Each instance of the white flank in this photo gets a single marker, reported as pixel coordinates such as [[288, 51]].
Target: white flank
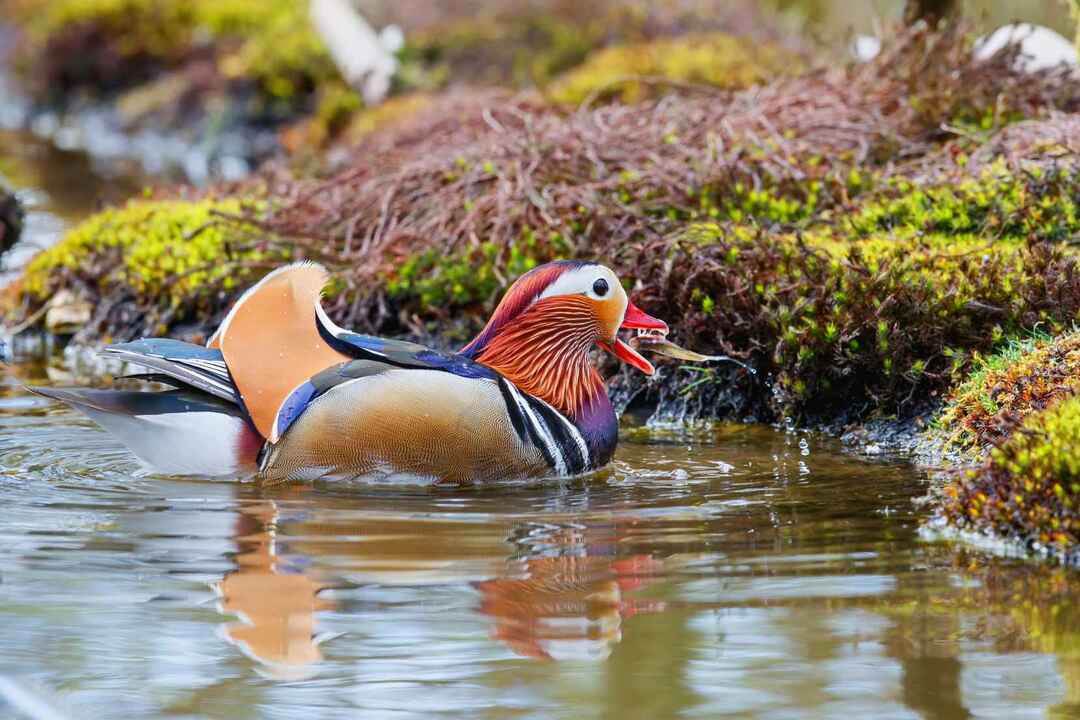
[[190, 443]]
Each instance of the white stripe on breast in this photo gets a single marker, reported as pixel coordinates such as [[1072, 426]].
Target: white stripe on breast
[[542, 430], [579, 439]]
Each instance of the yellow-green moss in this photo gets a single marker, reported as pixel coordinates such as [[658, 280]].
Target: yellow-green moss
[[842, 319], [270, 42], [519, 47], [715, 59], [1036, 203], [163, 253], [389, 113], [462, 279], [1075, 7], [1030, 487], [1007, 387]]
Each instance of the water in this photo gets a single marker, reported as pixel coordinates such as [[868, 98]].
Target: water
[[57, 187], [734, 572]]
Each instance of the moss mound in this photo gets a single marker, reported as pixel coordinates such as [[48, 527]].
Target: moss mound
[[529, 43], [111, 44], [630, 73], [1005, 388], [152, 265], [1029, 489], [847, 325]]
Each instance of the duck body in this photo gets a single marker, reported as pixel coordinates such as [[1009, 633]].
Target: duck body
[[283, 393]]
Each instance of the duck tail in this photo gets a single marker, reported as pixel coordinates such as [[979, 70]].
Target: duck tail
[[177, 432]]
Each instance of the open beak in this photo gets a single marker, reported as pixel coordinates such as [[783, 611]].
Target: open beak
[[635, 319]]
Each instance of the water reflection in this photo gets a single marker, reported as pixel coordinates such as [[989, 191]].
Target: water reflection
[[276, 604], [737, 572], [57, 187]]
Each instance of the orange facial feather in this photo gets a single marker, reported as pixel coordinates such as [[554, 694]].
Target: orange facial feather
[[545, 352]]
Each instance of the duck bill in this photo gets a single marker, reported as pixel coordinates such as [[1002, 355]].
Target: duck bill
[[635, 319]]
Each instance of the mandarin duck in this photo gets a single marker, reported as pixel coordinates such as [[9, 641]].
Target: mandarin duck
[[282, 392]]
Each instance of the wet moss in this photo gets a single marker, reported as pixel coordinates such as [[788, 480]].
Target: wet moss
[[1029, 489], [846, 325], [170, 261], [631, 73], [1005, 388]]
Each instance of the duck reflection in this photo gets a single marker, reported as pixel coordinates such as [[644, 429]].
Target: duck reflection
[[570, 606], [552, 594], [275, 603]]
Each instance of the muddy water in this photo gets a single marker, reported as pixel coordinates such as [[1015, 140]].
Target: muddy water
[[739, 571]]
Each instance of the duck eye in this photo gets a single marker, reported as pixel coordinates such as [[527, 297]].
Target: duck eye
[[600, 287]]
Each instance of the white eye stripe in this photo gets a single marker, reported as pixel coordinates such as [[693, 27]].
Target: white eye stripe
[[580, 281]]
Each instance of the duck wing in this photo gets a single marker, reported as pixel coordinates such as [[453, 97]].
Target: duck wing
[[271, 343], [191, 365]]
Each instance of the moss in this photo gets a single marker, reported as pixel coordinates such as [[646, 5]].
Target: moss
[[520, 47], [336, 108], [477, 275], [1029, 489], [998, 202], [1007, 387], [1075, 7], [173, 259], [283, 55], [716, 59], [843, 322], [103, 43], [392, 112]]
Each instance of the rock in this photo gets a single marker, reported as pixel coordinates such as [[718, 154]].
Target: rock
[[1040, 47], [67, 313], [365, 58], [11, 220], [865, 48]]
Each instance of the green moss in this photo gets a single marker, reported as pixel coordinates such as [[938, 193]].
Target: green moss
[[435, 280], [173, 256], [519, 47], [1075, 7], [1029, 489], [716, 59], [843, 320], [284, 55], [1038, 203], [1005, 388]]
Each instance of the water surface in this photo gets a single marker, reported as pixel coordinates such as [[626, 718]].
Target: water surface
[[734, 572]]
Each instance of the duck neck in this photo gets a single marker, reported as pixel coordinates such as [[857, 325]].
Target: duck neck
[[545, 353]]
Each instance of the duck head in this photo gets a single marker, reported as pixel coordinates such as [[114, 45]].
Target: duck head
[[542, 332]]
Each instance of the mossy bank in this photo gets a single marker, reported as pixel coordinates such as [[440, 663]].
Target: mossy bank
[[862, 237]]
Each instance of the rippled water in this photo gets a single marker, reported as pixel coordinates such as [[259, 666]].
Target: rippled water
[[740, 572]]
